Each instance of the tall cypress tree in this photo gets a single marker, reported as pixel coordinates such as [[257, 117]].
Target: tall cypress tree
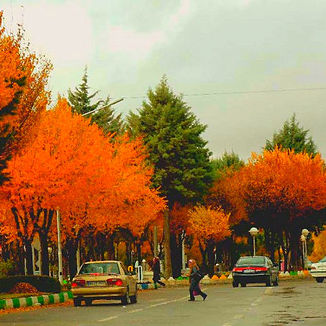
[[292, 137], [177, 151], [104, 116], [80, 99]]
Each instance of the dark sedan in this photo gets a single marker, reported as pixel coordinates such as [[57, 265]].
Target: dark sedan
[[255, 269]]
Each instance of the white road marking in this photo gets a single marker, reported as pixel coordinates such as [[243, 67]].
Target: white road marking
[[269, 290], [107, 319], [135, 310], [151, 306]]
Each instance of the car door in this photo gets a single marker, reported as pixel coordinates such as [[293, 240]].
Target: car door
[[132, 283]]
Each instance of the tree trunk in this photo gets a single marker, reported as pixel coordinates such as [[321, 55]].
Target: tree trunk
[[203, 253], [18, 256], [139, 257], [176, 255], [110, 245], [128, 252], [294, 246], [71, 248], [44, 253], [167, 249], [211, 258], [28, 257]]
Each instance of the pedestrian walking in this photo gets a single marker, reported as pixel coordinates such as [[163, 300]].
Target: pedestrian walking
[[194, 279], [156, 267]]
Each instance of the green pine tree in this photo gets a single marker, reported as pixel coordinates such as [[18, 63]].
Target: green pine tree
[[177, 151], [104, 115], [293, 137], [228, 160], [106, 118], [80, 100]]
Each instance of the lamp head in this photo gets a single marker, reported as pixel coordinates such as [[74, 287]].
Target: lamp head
[[253, 231], [305, 232]]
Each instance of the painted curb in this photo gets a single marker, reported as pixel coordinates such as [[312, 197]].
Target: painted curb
[[146, 286], [35, 300]]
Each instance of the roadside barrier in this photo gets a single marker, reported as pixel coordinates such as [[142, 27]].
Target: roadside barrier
[[35, 300]]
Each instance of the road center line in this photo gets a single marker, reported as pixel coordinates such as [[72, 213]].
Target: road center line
[[135, 310], [148, 307], [107, 319]]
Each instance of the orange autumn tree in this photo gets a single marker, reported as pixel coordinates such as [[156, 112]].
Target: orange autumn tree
[[319, 250], [209, 226], [71, 166], [283, 192], [23, 77]]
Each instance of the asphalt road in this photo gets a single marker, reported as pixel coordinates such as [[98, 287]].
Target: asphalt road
[[293, 303]]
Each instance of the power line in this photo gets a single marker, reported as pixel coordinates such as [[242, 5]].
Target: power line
[[263, 91]]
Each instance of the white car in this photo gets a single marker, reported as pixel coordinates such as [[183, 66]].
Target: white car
[[318, 270]]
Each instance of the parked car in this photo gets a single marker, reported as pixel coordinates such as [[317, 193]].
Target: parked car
[[255, 269], [109, 280], [318, 270]]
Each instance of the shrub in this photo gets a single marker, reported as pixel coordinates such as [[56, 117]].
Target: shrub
[[41, 283], [7, 268]]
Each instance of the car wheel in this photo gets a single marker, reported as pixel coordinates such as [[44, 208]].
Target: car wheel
[[269, 281], [125, 299], [243, 285], [319, 279], [88, 302], [77, 302], [133, 298], [235, 284]]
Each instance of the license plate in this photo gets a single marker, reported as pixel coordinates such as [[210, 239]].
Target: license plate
[[95, 283], [249, 271]]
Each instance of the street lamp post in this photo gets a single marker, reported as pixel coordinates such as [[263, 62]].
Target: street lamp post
[[304, 235], [253, 232]]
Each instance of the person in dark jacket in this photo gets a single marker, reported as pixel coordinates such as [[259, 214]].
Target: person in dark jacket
[[156, 267], [194, 281]]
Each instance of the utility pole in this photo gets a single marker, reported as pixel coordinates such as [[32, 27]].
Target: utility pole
[[60, 275]]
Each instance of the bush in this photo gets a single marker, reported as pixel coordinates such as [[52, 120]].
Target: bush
[[7, 268], [41, 283]]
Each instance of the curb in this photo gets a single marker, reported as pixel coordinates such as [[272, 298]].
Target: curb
[[146, 286], [35, 300]]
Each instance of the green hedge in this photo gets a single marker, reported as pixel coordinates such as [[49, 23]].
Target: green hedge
[[41, 283]]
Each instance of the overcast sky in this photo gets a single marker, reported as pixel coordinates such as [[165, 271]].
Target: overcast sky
[[218, 46]]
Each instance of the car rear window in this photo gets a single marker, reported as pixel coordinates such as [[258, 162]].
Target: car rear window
[[251, 261], [101, 268]]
